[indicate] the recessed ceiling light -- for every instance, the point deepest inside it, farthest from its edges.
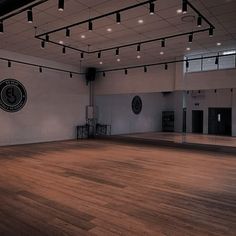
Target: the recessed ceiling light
(100, 62)
(109, 29)
(218, 44)
(140, 21)
(118, 59)
(188, 49)
(161, 53)
(138, 56)
(179, 11)
(83, 36)
(61, 42)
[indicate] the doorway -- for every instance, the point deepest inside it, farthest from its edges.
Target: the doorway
(197, 121)
(220, 121)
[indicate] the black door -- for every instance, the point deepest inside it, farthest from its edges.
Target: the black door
(184, 120)
(220, 121)
(197, 121)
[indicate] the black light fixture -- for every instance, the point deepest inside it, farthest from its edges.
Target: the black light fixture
(138, 47)
(82, 55)
(184, 6)
(118, 18)
(163, 43)
(199, 21)
(71, 75)
(30, 15)
(211, 31)
(60, 5)
(40, 69)
(43, 44)
(151, 8)
(47, 38)
(99, 54)
(126, 71)
(90, 25)
(187, 64)
(190, 38)
(67, 32)
(104, 74)
(1, 27)
(117, 52)
(64, 50)
(9, 63)
(166, 66)
(217, 60)
(145, 69)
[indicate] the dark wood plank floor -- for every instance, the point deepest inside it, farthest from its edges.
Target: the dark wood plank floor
(107, 188)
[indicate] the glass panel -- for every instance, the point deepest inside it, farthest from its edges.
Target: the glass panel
(227, 62)
(195, 65)
(209, 64)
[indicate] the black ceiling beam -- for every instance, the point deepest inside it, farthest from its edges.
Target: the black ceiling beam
(150, 40)
(41, 36)
(164, 63)
(200, 14)
(96, 18)
(16, 12)
(36, 65)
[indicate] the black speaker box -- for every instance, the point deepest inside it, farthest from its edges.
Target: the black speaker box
(90, 74)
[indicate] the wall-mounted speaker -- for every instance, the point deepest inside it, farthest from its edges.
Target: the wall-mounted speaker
(90, 74)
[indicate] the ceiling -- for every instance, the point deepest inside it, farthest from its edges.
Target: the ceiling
(19, 34)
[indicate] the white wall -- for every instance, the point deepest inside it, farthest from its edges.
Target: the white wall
(56, 103)
(157, 79)
(116, 110)
(115, 91)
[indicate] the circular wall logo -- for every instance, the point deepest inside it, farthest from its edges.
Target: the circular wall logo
(137, 105)
(13, 95)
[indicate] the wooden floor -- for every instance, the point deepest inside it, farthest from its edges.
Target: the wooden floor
(106, 188)
(204, 139)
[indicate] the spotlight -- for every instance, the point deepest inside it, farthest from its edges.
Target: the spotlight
(90, 25)
(30, 15)
(151, 8)
(139, 48)
(9, 63)
(184, 6)
(64, 50)
(118, 18)
(163, 43)
(71, 75)
(99, 54)
(67, 33)
(104, 74)
(145, 69)
(217, 60)
(117, 52)
(199, 21)
(187, 64)
(47, 38)
(1, 27)
(190, 38)
(166, 66)
(40, 69)
(211, 31)
(60, 5)
(126, 71)
(82, 55)
(43, 44)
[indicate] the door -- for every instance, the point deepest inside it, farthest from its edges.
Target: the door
(197, 121)
(220, 121)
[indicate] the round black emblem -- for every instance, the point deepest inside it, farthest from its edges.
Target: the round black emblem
(13, 95)
(136, 105)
